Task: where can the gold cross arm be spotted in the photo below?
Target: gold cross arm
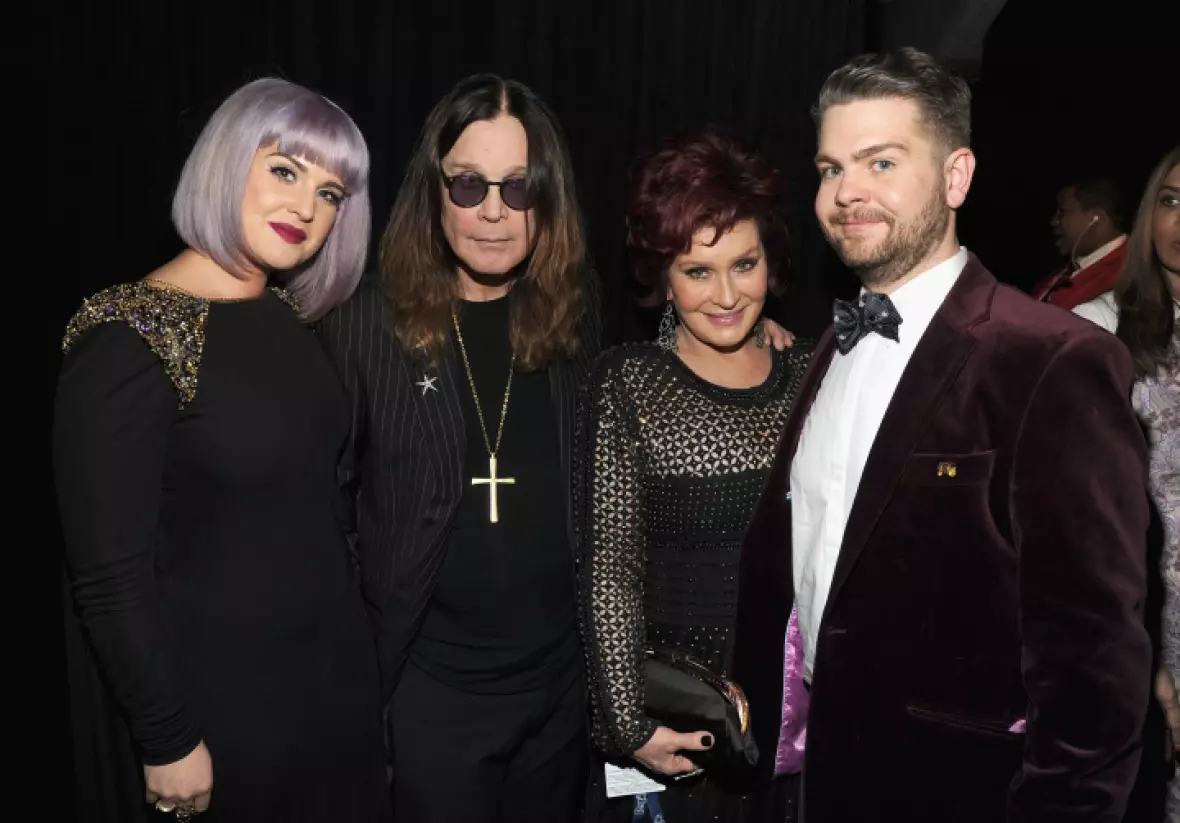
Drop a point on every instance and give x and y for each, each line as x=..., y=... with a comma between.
x=493, y=483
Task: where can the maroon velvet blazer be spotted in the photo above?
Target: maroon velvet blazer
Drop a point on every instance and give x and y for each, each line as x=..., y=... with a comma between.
x=982, y=656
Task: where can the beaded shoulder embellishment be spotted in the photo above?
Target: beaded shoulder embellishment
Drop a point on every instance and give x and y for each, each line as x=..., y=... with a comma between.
x=287, y=298
x=170, y=321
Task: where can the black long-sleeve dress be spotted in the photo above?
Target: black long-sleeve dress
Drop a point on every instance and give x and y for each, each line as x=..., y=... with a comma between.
x=196, y=445
x=672, y=467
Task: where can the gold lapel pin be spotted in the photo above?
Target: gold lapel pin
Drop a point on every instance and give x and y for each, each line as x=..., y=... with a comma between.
x=947, y=469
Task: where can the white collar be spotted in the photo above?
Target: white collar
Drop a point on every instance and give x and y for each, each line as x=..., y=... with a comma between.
x=1106, y=248
x=918, y=300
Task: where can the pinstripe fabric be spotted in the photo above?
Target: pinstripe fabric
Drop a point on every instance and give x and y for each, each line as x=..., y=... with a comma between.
x=404, y=467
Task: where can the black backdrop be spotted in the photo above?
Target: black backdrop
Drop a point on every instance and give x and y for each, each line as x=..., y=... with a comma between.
x=135, y=83
x=620, y=74
x=1065, y=86
x=131, y=86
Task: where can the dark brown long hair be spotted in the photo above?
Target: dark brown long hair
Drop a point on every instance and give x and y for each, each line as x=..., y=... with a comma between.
x=1147, y=320
x=418, y=268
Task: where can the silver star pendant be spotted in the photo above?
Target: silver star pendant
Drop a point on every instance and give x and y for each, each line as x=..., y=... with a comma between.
x=427, y=383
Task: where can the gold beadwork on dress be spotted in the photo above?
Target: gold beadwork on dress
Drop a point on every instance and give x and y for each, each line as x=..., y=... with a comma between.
x=287, y=298
x=168, y=318
x=172, y=322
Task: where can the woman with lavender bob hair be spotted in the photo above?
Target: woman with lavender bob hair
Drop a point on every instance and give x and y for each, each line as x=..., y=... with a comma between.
x=207, y=208
x=221, y=661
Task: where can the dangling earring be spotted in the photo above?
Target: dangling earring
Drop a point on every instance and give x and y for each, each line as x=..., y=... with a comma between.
x=667, y=337
x=760, y=334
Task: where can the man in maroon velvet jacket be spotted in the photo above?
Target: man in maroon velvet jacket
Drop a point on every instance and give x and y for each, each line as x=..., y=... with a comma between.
x=954, y=526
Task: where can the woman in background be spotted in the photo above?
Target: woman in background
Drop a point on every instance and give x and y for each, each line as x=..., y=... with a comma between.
x=1144, y=311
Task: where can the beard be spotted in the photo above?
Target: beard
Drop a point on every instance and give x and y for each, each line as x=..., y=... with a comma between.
x=907, y=243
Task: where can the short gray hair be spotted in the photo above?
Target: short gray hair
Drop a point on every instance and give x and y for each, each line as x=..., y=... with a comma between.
x=207, y=207
x=943, y=98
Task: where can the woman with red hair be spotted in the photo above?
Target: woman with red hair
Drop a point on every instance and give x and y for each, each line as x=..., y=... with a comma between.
x=675, y=440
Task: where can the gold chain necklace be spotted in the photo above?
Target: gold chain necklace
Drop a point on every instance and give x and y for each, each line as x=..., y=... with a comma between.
x=492, y=481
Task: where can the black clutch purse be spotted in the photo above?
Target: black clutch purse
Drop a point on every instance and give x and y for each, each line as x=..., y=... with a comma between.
x=683, y=694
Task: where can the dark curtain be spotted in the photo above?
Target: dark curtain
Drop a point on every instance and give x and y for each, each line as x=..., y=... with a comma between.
x=1065, y=89
x=132, y=84
x=620, y=75
x=128, y=86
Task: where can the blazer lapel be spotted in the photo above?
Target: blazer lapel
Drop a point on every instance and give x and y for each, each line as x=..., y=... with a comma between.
x=1094, y=280
x=769, y=532
x=817, y=369
x=766, y=575
x=936, y=361
x=444, y=436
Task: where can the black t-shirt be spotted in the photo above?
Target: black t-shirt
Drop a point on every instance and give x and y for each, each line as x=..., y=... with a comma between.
x=503, y=618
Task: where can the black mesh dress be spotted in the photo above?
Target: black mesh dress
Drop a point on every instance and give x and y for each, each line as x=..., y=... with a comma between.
x=671, y=469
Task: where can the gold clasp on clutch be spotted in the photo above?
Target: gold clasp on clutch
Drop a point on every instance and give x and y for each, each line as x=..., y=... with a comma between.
x=947, y=469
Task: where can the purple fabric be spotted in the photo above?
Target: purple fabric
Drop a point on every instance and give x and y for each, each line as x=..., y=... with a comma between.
x=1019, y=583
x=793, y=738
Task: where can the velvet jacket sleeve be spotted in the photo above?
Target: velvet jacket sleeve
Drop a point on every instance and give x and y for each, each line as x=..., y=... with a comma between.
x=1080, y=517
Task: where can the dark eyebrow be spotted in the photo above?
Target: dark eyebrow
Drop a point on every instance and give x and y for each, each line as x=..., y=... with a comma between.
x=753, y=251
x=338, y=186
x=878, y=148
x=289, y=159
x=1169, y=187
x=461, y=167
x=865, y=152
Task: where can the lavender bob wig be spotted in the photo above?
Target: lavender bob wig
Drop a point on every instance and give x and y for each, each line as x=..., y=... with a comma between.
x=206, y=209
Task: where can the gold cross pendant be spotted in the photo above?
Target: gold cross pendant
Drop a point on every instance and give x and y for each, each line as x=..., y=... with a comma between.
x=492, y=482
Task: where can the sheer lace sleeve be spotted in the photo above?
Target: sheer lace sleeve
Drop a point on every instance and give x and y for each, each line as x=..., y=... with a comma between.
x=610, y=521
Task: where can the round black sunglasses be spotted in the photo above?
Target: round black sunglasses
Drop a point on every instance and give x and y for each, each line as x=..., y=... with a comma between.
x=468, y=189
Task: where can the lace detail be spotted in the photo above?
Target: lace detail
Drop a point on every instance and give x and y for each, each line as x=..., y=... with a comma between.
x=1157, y=402
x=670, y=468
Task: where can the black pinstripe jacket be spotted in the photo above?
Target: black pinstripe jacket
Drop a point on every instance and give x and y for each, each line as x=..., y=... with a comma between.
x=405, y=470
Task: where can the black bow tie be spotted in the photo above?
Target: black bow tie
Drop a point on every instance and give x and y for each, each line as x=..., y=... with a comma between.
x=872, y=312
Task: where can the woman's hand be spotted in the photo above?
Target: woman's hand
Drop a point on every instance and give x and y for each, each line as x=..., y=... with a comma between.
x=662, y=753
x=779, y=337
x=185, y=784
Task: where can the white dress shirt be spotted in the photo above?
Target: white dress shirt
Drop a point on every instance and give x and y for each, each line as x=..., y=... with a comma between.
x=1101, y=311
x=1087, y=260
x=837, y=437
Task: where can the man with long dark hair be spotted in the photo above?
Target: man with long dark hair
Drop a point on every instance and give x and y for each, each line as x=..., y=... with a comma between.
x=463, y=365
